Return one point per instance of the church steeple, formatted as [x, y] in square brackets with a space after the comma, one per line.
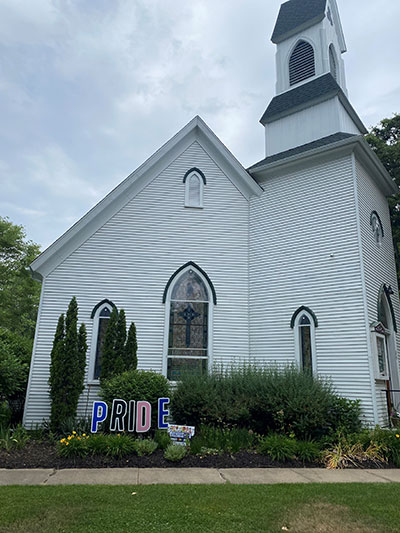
[311, 90]
[310, 42]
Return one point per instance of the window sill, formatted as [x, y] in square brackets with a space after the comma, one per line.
[193, 207]
[93, 382]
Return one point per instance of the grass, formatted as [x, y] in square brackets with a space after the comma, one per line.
[243, 508]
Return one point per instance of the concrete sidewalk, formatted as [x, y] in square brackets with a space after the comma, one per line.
[192, 476]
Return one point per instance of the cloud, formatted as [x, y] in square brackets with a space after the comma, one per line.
[53, 170]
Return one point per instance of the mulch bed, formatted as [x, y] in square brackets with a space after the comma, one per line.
[44, 455]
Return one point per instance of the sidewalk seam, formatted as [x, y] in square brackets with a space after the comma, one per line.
[49, 476]
[226, 481]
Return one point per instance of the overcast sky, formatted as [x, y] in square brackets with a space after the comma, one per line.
[90, 88]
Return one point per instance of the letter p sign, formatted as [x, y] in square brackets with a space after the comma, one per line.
[99, 414]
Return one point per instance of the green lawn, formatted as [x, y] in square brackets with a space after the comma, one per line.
[335, 508]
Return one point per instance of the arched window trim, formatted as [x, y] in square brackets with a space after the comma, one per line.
[289, 56]
[187, 180]
[102, 304]
[386, 291]
[308, 311]
[167, 301]
[295, 325]
[95, 316]
[202, 274]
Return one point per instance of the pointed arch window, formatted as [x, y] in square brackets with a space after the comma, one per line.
[194, 181]
[304, 323]
[301, 63]
[100, 315]
[333, 65]
[189, 306]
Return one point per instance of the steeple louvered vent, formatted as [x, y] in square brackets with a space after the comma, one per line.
[301, 63]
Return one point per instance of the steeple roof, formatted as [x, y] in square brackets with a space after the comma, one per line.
[297, 15]
[306, 95]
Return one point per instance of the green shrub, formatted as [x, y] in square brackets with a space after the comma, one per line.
[15, 438]
[145, 447]
[162, 438]
[222, 439]
[136, 385]
[387, 439]
[175, 453]
[15, 352]
[97, 444]
[120, 445]
[278, 447]
[307, 451]
[270, 399]
[73, 445]
[79, 445]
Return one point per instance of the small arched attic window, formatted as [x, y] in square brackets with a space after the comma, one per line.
[194, 181]
[333, 64]
[301, 63]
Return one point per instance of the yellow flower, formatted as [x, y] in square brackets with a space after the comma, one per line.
[69, 437]
[397, 436]
[66, 444]
[74, 433]
[84, 435]
[79, 438]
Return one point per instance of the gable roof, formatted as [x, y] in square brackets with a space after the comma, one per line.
[195, 130]
[306, 95]
[297, 15]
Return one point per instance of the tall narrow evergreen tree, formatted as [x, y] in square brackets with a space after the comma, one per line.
[120, 339]
[56, 374]
[108, 355]
[130, 352]
[68, 359]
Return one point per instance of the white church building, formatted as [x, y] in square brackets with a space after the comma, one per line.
[290, 260]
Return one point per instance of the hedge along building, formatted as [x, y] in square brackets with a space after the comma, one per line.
[288, 261]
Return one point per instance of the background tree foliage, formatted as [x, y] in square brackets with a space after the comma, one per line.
[19, 293]
[384, 139]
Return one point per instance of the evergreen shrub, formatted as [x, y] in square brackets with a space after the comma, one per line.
[67, 367]
[270, 399]
[136, 385]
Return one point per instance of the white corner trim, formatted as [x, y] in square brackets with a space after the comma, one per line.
[364, 291]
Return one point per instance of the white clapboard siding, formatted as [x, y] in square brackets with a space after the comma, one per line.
[379, 263]
[131, 258]
[301, 220]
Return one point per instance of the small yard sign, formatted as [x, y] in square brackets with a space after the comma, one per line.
[180, 434]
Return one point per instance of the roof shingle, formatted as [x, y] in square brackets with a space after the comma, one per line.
[295, 15]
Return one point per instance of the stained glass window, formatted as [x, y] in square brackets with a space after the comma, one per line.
[188, 326]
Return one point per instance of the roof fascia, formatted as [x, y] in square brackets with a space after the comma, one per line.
[227, 162]
[114, 201]
[318, 155]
